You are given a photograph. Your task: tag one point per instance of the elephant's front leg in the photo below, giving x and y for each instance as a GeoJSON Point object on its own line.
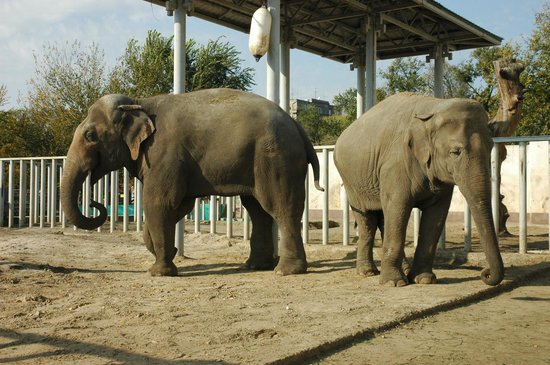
{"type": "Point", "coordinates": [366, 223]}
{"type": "Point", "coordinates": [396, 216]}
{"type": "Point", "coordinates": [431, 226]}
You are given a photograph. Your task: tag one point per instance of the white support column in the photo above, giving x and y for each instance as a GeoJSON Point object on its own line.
{"type": "Point", "coordinates": [212, 213]}
{"type": "Point", "coordinates": [114, 199]}
{"type": "Point", "coordinates": [100, 185]}
{"type": "Point", "coordinates": [126, 200]}
{"type": "Point", "coordinates": [273, 54]}
{"type": "Point", "coordinates": [32, 194]}
{"type": "Point", "coordinates": [324, 176]}
{"type": "Point", "coordinates": [522, 197]}
{"type": "Point", "coordinates": [370, 64]}
{"type": "Point", "coordinates": [22, 192]}
{"type": "Point", "coordinates": [53, 193]}
{"type": "Point", "coordinates": [284, 82]}
{"type": "Point", "coordinates": [439, 62]}
{"type": "Point", "coordinates": [229, 217]}
{"type": "Point", "coordinates": [273, 73]}
{"type": "Point", "coordinates": [197, 215]}
{"type": "Point", "coordinates": [43, 192]}
{"type": "Point", "coordinates": [360, 90]}
{"type": "Point", "coordinates": [11, 195]}
{"type": "Point", "coordinates": [179, 85]}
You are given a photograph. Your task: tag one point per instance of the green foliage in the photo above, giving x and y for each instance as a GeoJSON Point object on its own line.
{"type": "Point", "coordinates": [345, 103]}
{"type": "Point", "coordinates": [405, 74]}
{"type": "Point", "coordinates": [310, 120]}
{"type": "Point", "coordinates": [67, 81]}
{"type": "Point", "coordinates": [536, 77]}
{"type": "Point", "coordinates": [216, 65]}
{"type": "Point", "coordinates": [144, 70]}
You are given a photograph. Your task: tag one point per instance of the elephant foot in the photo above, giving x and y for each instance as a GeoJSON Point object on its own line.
{"type": "Point", "coordinates": [287, 266]}
{"type": "Point", "coordinates": [424, 278]}
{"type": "Point", "coordinates": [393, 278]}
{"type": "Point", "coordinates": [367, 269]}
{"type": "Point", "coordinates": [255, 264]}
{"type": "Point", "coordinates": [163, 269]}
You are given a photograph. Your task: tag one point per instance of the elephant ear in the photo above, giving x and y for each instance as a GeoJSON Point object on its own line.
{"type": "Point", "coordinates": [419, 142]}
{"type": "Point", "coordinates": [137, 127]}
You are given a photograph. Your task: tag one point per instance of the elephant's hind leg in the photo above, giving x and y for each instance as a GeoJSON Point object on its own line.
{"type": "Point", "coordinates": [292, 256]}
{"type": "Point", "coordinates": [366, 223]}
{"type": "Point", "coordinates": [261, 240]}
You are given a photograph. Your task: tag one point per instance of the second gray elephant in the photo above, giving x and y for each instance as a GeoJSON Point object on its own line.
{"type": "Point", "coordinates": [409, 151]}
{"type": "Point", "coordinates": [221, 141]}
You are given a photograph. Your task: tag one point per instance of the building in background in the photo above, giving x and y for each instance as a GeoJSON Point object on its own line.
{"type": "Point", "coordinates": [324, 107]}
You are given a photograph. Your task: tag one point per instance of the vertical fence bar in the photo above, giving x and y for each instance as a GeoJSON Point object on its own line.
{"type": "Point", "coordinates": [345, 218]}
{"type": "Point", "coordinates": [495, 186]}
{"type": "Point", "coordinates": [63, 219]}
{"type": "Point", "coordinates": [53, 213]}
{"type": "Point", "coordinates": [179, 237]}
{"type": "Point", "coordinates": [11, 194]}
{"type": "Point", "coordinates": [42, 191]}
{"type": "Point", "coordinates": [125, 201]}
{"type": "Point", "coordinates": [114, 202]}
{"type": "Point", "coordinates": [212, 212]}
{"type": "Point", "coordinates": [325, 196]}
{"type": "Point", "coordinates": [229, 216]}
{"type": "Point", "coordinates": [100, 185]}
{"type": "Point", "coordinates": [87, 196]}
{"type": "Point", "coordinates": [467, 228]}
{"type": "Point", "coordinates": [60, 174]}
{"type": "Point", "coordinates": [522, 197]}
{"type": "Point", "coordinates": [197, 215]}
{"type": "Point", "coordinates": [48, 189]}
{"type": "Point", "coordinates": [548, 191]}
{"type": "Point", "coordinates": [2, 197]}
{"type": "Point", "coordinates": [246, 225]}
{"type": "Point", "coordinates": [417, 215]}
{"type": "Point", "coordinates": [36, 192]}
{"type": "Point", "coordinates": [305, 216]}
{"type": "Point", "coordinates": [138, 204]}
{"type": "Point", "coordinates": [32, 194]}
{"type": "Point", "coordinates": [22, 192]}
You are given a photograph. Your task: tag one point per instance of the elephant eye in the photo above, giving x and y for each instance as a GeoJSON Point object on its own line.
{"type": "Point", "coordinates": [456, 151]}
{"type": "Point", "coordinates": [91, 136]}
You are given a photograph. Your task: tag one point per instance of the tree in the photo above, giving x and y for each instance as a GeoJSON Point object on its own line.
{"type": "Point", "coordinates": [310, 120]}
{"type": "Point", "coordinates": [536, 77]}
{"type": "Point", "coordinates": [345, 103]}
{"type": "Point", "coordinates": [67, 81]}
{"type": "Point", "coordinates": [148, 69]}
{"type": "Point", "coordinates": [405, 74]}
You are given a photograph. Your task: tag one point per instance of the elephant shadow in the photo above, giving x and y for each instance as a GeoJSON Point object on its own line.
{"type": "Point", "coordinates": [61, 269]}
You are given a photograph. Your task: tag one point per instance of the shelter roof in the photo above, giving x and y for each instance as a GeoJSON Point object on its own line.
{"type": "Point", "coordinates": [336, 29]}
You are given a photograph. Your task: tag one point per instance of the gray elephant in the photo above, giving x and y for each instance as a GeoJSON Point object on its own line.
{"type": "Point", "coordinates": [409, 151]}
{"type": "Point", "coordinates": [211, 142]}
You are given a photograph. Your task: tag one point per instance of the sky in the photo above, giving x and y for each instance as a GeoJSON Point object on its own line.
{"type": "Point", "coordinates": [29, 25]}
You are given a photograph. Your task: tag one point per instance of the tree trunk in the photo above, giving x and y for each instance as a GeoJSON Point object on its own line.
{"type": "Point", "coordinates": [507, 118]}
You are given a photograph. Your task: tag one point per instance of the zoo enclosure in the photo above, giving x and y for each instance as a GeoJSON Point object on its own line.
{"type": "Point", "coordinates": [29, 197]}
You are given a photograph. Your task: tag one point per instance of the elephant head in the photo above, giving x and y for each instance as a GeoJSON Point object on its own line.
{"type": "Point", "coordinates": [107, 139]}
{"type": "Point", "coordinates": [453, 144]}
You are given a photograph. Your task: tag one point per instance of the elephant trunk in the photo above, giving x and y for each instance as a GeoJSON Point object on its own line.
{"type": "Point", "coordinates": [72, 180]}
{"type": "Point", "coordinates": [477, 191]}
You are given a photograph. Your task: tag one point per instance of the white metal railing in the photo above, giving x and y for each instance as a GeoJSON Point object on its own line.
{"type": "Point", "coordinates": [29, 197]}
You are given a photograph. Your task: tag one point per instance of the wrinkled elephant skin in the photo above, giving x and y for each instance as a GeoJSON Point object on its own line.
{"type": "Point", "coordinates": [409, 151]}
{"type": "Point", "coordinates": [211, 142]}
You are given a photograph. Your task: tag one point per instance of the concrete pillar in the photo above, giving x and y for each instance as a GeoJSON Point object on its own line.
{"type": "Point", "coordinates": [360, 90]}
{"type": "Point", "coordinates": [370, 64]}
{"type": "Point", "coordinates": [179, 85]}
{"type": "Point", "coordinates": [284, 82]}
{"type": "Point", "coordinates": [439, 63]}
{"type": "Point", "coordinates": [273, 54]}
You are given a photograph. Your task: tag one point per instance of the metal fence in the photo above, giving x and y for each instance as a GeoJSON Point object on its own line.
{"type": "Point", "coordinates": [29, 197]}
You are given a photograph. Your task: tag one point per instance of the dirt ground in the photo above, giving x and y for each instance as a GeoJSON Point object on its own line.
{"type": "Point", "coordinates": [76, 297]}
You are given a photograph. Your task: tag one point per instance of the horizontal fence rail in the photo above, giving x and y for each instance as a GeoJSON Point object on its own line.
{"type": "Point", "coordinates": [30, 197]}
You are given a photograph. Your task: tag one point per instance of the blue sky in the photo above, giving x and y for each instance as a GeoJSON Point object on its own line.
{"type": "Point", "coordinates": [27, 25]}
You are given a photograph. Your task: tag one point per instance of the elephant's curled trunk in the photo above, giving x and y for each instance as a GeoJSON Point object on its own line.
{"type": "Point", "coordinates": [70, 187]}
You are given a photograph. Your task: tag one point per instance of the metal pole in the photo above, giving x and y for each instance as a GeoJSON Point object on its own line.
{"type": "Point", "coordinates": [467, 228]}
{"type": "Point", "coordinates": [495, 186]}
{"type": "Point", "coordinates": [114, 202]}
{"type": "Point", "coordinates": [229, 216]}
{"type": "Point", "coordinates": [370, 64]}
{"type": "Point", "coordinates": [42, 191]}
{"type": "Point", "coordinates": [63, 220]}
{"type": "Point", "coordinates": [439, 62]}
{"type": "Point", "coordinates": [284, 87]}
{"type": "Point", "coordinates": [22, 192]}
{"type": "Point", "coordinates": [417, 215]}
{"type": "Point", "coordinates": [246, 225]}
{"type": "Point", "coordinates": [53, 212]}
{"type": "Point", "coordinates": [32, 194]}
{"type": "Point", "coordinates": [126, 201]}
{"type": "Point", "coordinates": [325, 170]}
{"type": "Point", "coordinates": [212, 213]}
{"type": "Point", "coordinates": [2, 193]}
{"type": "Point", "coordinates": [100, 184]}
{"type": "Point", "coordinates": [11, 195]}
{"type": "Point", "coordinates": [273, 54]}
{"type": "Point", "coordinates": [179, 88]}
{"type": "Point", "coordinates": [197, 215]}
{"type": "Point", "coordinates": [305, 216]}
{"type": "Point", "coordinates": [522, 197]}
{"type": "Point", "coordinates": [138, 204]}
{"type": "Point", "coordinates": [361, 89]}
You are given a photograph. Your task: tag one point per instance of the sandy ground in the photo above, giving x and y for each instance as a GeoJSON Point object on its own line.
{"type": "Point", "coordinates": [76, 297]}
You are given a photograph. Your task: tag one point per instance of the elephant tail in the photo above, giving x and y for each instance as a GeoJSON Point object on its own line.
{"type": "Point", "coordinates": [311, 156]}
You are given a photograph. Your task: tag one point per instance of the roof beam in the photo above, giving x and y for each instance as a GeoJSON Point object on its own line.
{"type": "Point", "coordinates": [408, 28]}
{"type": "Point", "coordinates": [328, 18]}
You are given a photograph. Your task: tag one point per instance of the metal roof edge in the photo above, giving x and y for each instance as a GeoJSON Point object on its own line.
{"type": "Point", "coordinates": [460, 21]}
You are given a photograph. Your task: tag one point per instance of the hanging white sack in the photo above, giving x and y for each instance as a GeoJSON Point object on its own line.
{"type": "Point", "coordinates": [260, 28]}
